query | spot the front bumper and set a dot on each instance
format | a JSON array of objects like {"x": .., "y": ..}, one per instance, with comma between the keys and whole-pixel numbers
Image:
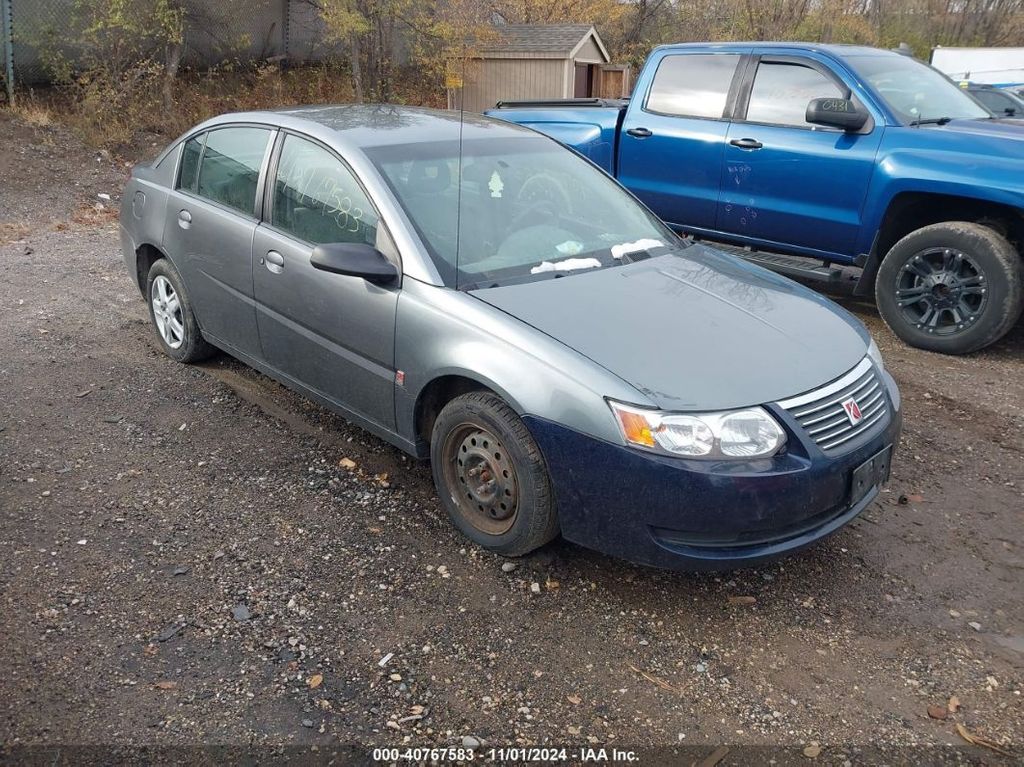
[{"x": 704, "y": 515}]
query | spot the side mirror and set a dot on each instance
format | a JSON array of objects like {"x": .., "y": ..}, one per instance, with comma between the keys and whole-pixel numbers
[
  {"x": 354, "y": 260},
  {"x": 837, "y": 113}
]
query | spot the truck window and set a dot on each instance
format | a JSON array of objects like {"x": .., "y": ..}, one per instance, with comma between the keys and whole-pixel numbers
[
  {"x": 781, "y": 92},
  {"x": 694, "y": 85}
]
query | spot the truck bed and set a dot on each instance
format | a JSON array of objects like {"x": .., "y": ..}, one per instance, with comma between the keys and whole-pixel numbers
[{"x": 590, "y": 126}]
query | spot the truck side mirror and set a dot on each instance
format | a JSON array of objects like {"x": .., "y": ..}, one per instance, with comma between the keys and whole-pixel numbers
[{"x": 837, "y": 113}]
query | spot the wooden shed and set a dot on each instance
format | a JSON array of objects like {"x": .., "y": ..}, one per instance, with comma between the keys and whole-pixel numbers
[{"x": 540, "y": 61}]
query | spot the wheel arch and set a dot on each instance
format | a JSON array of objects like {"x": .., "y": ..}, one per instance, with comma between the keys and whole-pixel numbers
[
  {"x": 909, "y": 211},
  {"x": 145, "y": 256},
  {"x": 442, "y": 389}
]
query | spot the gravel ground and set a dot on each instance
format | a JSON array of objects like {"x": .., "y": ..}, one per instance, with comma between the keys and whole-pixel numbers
[{"x": 185, "y": 559}]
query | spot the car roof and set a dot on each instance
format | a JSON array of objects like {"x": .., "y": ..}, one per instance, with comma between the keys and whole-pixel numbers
[
  {"x": 360, "y": 126},
  {"x": 838, "y": 50}
]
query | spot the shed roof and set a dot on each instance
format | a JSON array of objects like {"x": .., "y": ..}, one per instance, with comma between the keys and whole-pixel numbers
[{"x": 555, "y": 40}]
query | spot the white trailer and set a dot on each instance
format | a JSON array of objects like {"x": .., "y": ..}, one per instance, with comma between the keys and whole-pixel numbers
[{"x": 1003, "y": 67}]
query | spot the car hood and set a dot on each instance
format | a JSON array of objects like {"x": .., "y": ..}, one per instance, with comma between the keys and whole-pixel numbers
[
  {"x": 1001, "y": 135},
  {"x": 697, "y": 330}
]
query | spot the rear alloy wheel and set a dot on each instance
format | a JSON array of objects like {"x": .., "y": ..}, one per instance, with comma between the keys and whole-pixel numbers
[
  {"x": 954, "y": 287},
  {"x": 172, "y": 316},
  {"x": 491, "y": 476}
]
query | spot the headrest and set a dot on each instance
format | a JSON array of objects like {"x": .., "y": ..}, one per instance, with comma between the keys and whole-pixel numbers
[{"x": 429, "y": 176}]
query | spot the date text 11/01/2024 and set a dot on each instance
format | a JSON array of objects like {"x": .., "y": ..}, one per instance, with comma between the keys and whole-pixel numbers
[{"x": 502, "y": 755}]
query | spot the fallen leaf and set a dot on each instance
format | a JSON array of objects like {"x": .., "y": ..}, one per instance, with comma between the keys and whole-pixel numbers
[
  {"x": 938, "y": 712},
  {"x": 977, "y": 740},
  {"x": 574, "y": 699},
  {"x": 654, "y": 680},
  {"x": 954, "y": 704},
  {"x": 714, "y": 757},
  {"x": 416, "y": 710},
  {"x": 742, "y": 600},
  {"x": 551, "y": 584},
  {"x": 812, "y": 751},
  {"x": 165, "y": 685},
  {"x": 347, "y": 463},
  {"x": 315, "y": 681}
]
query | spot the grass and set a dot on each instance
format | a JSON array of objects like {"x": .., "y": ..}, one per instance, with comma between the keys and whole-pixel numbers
[{"x": 113, "y": 114}]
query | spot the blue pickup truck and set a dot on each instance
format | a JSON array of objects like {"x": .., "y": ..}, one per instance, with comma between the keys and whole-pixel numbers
[{"x": 846, "y": 155}]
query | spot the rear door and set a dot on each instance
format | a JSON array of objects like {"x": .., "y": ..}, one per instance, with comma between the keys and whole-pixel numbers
[
  {"x": 332, "y": 333},
  {"x": 787, "y": 181},
  {"x": 211, "y": 219},
  {"x": 672, "y": 144}
]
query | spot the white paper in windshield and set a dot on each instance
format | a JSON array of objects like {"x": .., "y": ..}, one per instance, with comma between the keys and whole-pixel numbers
[
  {"x": 618, "y": 251},
  {"x": 566, "y": 265}
]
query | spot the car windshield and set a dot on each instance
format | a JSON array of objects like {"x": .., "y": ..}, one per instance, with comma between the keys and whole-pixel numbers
[
  {"x": 530, "y": 209},
  {"x": 916, "y": 92}
]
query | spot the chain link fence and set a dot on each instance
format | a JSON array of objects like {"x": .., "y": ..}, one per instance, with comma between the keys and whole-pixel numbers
[{"x": 215, "y": 33}]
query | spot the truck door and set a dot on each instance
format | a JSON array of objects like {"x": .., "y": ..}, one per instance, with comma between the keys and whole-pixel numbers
[
  {"x": 787, "y": 181},
  {"x": 672, "y": 143}
]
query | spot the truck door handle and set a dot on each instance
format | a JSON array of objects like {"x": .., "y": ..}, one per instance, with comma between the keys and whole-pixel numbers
[
  {"x": 640, "y": 132},
  {"x": 184, "y": 219},
  {"x": 275, "y": 261},
  {"x": 746, "y": 143}
]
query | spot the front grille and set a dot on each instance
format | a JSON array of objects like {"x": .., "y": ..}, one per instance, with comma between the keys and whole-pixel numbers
[{"x": 823, "y": 417}]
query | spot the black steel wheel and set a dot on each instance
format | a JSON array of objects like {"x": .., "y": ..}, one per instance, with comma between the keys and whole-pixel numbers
[
  {"x": 954, "y": 287},
  {"x": 491, "y": 476}
]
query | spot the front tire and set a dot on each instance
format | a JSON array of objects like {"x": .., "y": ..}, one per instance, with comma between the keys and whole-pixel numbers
[
  {"x": 171, "y": 313},
  {"x": 491, "y": 476},
  {"x": 953, "y": 287}
]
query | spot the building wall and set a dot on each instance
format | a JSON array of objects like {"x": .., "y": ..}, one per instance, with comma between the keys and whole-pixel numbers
[
  {"x": 505, "y": 79},
  {"x": 589, "y": 53}
]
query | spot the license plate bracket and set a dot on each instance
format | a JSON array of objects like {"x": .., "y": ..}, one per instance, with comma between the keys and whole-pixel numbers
[{"x": 874, "y": 471}]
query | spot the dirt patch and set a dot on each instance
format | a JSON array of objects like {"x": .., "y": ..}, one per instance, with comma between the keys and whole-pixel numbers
[
  {"x": 182, "y": 553},
  {"x": 50, "y": 176}
]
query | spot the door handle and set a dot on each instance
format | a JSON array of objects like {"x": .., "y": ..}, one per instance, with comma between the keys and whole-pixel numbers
[
  {"x": 640, "y": 132},
  {"x": 275, "y": 261},
  {"x": 746, "y": 143},
  {"x": 184, "y": 219}
]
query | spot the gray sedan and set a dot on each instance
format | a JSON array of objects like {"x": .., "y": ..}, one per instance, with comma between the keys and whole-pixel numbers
[{"x": 472, "y": 292}]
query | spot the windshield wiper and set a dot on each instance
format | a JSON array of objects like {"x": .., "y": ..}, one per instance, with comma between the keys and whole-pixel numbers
[{"x": 930, "y": 121}]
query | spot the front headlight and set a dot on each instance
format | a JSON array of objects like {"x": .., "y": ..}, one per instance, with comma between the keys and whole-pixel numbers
[
  {"x": 875, "y": 355},
  {"x": 747, "y": 433}
]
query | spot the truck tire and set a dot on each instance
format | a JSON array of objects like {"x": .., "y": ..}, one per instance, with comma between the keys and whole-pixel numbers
[{"x": 953, "y": 287}]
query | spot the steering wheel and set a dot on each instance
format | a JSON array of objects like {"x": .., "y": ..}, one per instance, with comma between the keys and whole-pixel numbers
[
  {"x": 544, "y": 186},
  {"x": 544, "y": 210}
]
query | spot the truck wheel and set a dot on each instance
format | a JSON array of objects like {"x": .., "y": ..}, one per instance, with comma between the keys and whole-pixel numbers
[
  {"x": 491, "y": 476},
  {"x": 954, "y": 287}
]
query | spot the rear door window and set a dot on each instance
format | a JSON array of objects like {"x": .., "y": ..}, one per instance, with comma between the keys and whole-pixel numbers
[
  {"x": 693, "y": 85},
  {"x": 230, "y": 169},
  {"x": 781, "y": 92},
  {"x": 317, "y": 198}
]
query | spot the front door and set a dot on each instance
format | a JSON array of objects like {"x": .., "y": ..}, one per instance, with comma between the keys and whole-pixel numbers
[
  {"x": 672, "y": 146},
  {"x": 332, "y": 333},
  {"x": 211, "y": 220},
  {"x": 787, "y": 181}
]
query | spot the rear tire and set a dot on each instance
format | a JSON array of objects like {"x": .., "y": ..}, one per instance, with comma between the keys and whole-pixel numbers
[
  {"x": 953, "y": 287},
  {"x": 171, "y": 313},
  {"x": 491, "y": 476}
]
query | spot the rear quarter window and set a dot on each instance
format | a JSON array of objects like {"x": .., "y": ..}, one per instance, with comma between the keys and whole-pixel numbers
[{"x": 190, "y": 155}]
